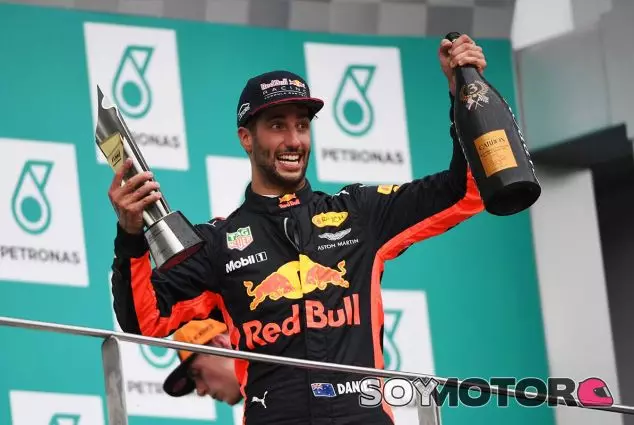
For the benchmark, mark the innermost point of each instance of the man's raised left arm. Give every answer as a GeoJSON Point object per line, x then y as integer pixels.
{"type": "Point", "coordinates": [400, 215]}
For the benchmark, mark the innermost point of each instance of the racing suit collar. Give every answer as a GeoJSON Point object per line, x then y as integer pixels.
{"type": "Point", "coordinates": [277, 204]}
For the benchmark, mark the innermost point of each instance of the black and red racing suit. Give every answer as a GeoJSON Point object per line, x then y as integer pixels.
{"type": "Point", "coordinates": [297, 276]}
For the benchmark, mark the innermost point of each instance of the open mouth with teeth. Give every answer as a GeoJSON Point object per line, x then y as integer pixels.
{"type": "Point", "coordinates": [289, 162]}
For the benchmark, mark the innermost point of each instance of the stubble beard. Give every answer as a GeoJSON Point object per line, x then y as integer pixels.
{"type": "Point", "coordinates": [265, 162]}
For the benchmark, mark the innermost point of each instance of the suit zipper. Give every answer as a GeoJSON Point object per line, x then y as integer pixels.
{"type": "Point", "coordinates": [289, 237]}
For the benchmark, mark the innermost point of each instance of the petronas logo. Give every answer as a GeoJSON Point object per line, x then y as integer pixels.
{"type": "Point", "coordinates": [159, 357]}
{"type": "Point", "coordinates": [131, 91]}
{"type": "Point", "coordinates": [391, 355]}
{"type": "Point", "coordinates": [353, 110]}
{"type": "Point", "coordinates": [64, 419]}
{"type": "Point", "coordinates": [29, 204]}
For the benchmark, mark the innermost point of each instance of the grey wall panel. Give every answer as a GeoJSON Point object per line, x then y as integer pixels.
{"type": "Point", "coordinates": [402, 18]}
{"type": "Point", "coordinates": [617, 31]}
{"type": "Point", "coordinates": [484, 18]}
{"type": "Point", "coordinates": [228, 11]}
{"type": "Point", "coordinates": [564, 88]}
{"type": "Point", "coordinates": [142, 7]}
{"type": "Point", "coordinates": [582, 81]}
{"type": "Point", "coordinates": [309, 15]}
{"type": "Point", "coordinates": [572, 287]}
{"type": "Point", "coordinates": [272, 13]}
{"type": "Point", "coordinates": [588, 12]}
{"type": "Point", "coordinates": [185, 9]}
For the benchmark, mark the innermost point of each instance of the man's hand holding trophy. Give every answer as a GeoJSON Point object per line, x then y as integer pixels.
{"type": "Point", "coordinates": [136, 196]}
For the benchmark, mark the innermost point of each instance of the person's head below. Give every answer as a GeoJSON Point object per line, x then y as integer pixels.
{"type": "Point", "coordinates": [275, 111]}
{"type": "Point", "coordinates": [206, 374]}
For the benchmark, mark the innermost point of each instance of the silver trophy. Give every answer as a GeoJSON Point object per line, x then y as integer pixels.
{"type": "Point", "coordinates": [170, 236]}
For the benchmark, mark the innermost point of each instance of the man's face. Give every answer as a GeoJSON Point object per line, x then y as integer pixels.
{"type": "Point", "coordinates": [214, 376]}
{"type": "Point", "coordinates": [281, 145]}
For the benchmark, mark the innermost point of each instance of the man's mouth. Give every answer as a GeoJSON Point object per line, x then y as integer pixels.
{"type": "Point", "coordinates": [289, 161]}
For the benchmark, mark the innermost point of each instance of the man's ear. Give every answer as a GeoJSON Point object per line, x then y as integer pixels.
{"type": "Point", "coordinates": [246, 139]}
{"type": "Point", "coordinates": [222, 341]}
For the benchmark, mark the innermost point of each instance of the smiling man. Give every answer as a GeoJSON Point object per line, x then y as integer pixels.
{"type": "Point", "coordinates": [294, 271]}
{"type": "Point", "coordinates": [281, 102]}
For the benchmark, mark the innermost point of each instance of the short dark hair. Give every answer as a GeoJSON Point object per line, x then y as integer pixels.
{"type": "Point", "coordinates": [251, 125]}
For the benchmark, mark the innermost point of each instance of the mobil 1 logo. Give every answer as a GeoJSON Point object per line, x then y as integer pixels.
{"type": "Point", "coordinates": [248, 260]}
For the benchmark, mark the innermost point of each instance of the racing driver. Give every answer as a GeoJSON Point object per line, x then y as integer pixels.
{"type": "Point", "coordinates": [294, 271]}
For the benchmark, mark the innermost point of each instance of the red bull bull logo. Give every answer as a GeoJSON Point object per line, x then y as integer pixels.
{"type": "Point", "coordinates": [294, 279]}
{"type": "Point", "coordinates": [319, 277]}
{"type": "Point", "coordinates": [297, 83]}
{"type": "Point", "coordinates": [318, 316]}
{"type": "Point", "coordinates": [288, 200]}
{"type": "Point", "coordinates": [282, 283]}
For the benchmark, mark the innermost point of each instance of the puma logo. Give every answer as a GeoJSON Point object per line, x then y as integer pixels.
{"type": "Point", "coordinates": [260, 400]}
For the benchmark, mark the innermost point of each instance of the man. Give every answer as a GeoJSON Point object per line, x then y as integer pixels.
{"type": "Point", "coordinates": [310, 264]}
{"type": "Point", "coordinates": [207, 374]}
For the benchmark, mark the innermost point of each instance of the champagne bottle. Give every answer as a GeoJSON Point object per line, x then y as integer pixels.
{"type": "Point", "coordinates": [493, 144]}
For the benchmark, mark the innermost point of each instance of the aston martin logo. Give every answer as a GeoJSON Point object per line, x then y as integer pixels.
{"type": "Point", "coordinates": [335, 236]}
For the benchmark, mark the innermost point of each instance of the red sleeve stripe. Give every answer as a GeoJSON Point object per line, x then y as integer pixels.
{"type": "Point", "coordinates": [468, 206]}
{"type": "Point", "coordinates": [377, 319]}
{"type": "Point", "coordinates": [150, 321]}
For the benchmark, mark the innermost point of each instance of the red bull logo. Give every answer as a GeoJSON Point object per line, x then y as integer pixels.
{"type": "Point", "coordinates": [294, 279]}
{"type": "Point", "coordinates": [297, 83]}
{"type": "Point", "coordinates": [317, 317]}
{"type": "Point", "coordinates": [288, 200]}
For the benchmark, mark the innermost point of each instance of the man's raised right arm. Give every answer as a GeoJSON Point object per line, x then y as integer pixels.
{"type": "Point", "coordinates": [147, 301]}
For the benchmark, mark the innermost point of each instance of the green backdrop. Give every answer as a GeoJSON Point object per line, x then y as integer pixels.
{"type": "Point", "coordinates": [479, 279]}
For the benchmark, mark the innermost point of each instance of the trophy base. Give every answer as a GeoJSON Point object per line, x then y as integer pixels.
{"type": "Point", "coordinates": [172, 239]}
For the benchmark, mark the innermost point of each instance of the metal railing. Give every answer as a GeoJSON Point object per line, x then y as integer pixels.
{"type": "Point", "coordinates": [115, 394]}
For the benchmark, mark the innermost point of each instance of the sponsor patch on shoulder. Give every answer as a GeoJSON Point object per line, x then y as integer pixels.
{"type": "Point", "coordinates": [239, 239]}
{"type": "Point", "coordinates": [330, 219]}
{"type": "Point", "coordinates": [386, 189]}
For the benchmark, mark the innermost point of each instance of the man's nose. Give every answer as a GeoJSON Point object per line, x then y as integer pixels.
{"type": "Point", "coordinates": [292, 139]}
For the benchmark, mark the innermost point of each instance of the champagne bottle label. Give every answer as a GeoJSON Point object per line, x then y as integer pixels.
{"type": "Point", "coordinates": [495, 152]}
{"type": "Point", "coordinates": [474, 94]}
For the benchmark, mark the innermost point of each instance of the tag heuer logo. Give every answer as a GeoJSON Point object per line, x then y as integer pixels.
{"type": "Point", "coordinates": [239, 239]}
